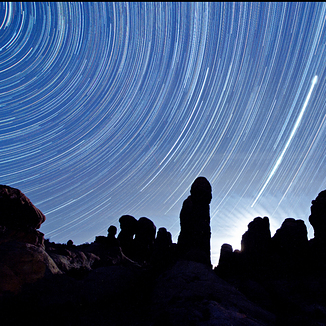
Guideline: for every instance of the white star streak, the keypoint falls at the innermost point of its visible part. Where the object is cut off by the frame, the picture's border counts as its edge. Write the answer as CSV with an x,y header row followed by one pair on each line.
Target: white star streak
x,y
294,130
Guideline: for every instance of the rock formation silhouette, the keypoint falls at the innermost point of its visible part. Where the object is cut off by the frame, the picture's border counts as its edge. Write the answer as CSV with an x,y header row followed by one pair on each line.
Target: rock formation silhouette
x,y
282,272
272,280
111,240
290,245
19,218
318,217
164,250
70,243
256,246
22,255
128,228
262,254
256,241
317,245
144,239
195,232
17,210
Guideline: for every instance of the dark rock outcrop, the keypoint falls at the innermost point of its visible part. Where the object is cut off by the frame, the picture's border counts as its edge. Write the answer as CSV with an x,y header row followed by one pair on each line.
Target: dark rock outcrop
x,y
291,238
195,233
191,294
290,246
229,261
255,255
144,239
69,259
277,280
17,211
164,251
317,245
262,255
22,263
111,240
256,240
318,217
163,239
105,296
26,235
128,228
19,218
22,255
281,273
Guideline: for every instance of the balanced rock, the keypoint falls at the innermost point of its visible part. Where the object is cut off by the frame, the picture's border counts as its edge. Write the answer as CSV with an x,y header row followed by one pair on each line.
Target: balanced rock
x,y
22,255
17,211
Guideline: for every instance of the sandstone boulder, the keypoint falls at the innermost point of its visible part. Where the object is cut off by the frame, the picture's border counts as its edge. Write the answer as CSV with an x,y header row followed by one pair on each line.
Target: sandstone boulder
x,y
29,235
72,260
22,263
17,211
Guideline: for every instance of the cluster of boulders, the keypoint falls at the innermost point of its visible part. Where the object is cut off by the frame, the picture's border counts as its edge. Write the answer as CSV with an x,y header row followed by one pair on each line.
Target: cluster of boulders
x,y
140,277
285,252
22,255
137,244
119,271
288,251
281,272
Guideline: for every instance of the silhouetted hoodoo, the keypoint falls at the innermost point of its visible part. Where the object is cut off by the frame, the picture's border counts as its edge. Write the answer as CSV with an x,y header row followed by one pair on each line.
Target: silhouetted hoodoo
x,y
195,233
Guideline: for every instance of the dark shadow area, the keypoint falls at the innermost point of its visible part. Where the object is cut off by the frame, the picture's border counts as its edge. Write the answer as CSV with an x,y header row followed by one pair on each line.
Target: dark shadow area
x,y
286,273
140,277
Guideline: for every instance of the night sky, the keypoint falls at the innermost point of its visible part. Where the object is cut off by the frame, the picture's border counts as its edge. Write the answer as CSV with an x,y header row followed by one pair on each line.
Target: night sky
x,y
112,108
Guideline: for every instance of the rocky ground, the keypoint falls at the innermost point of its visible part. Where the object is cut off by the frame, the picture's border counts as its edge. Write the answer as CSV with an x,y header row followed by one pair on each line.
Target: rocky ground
x,y
277,280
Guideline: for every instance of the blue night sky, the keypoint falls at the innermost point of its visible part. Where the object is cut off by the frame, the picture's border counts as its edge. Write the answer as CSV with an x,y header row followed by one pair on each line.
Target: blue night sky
x,y
115,108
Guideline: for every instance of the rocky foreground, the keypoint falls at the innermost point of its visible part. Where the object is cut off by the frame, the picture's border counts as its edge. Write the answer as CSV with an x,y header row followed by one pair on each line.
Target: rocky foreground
x,y
277,280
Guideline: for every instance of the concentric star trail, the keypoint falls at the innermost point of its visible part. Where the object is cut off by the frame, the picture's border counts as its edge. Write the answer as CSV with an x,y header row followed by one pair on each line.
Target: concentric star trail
x,y
115,108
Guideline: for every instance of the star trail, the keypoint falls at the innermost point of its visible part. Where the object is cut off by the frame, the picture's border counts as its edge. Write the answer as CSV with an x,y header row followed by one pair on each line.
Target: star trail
x,y
115,108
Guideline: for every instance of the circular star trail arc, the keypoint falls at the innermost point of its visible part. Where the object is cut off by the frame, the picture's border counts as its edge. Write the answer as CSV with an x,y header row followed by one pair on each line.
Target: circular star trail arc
x,y
115,108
